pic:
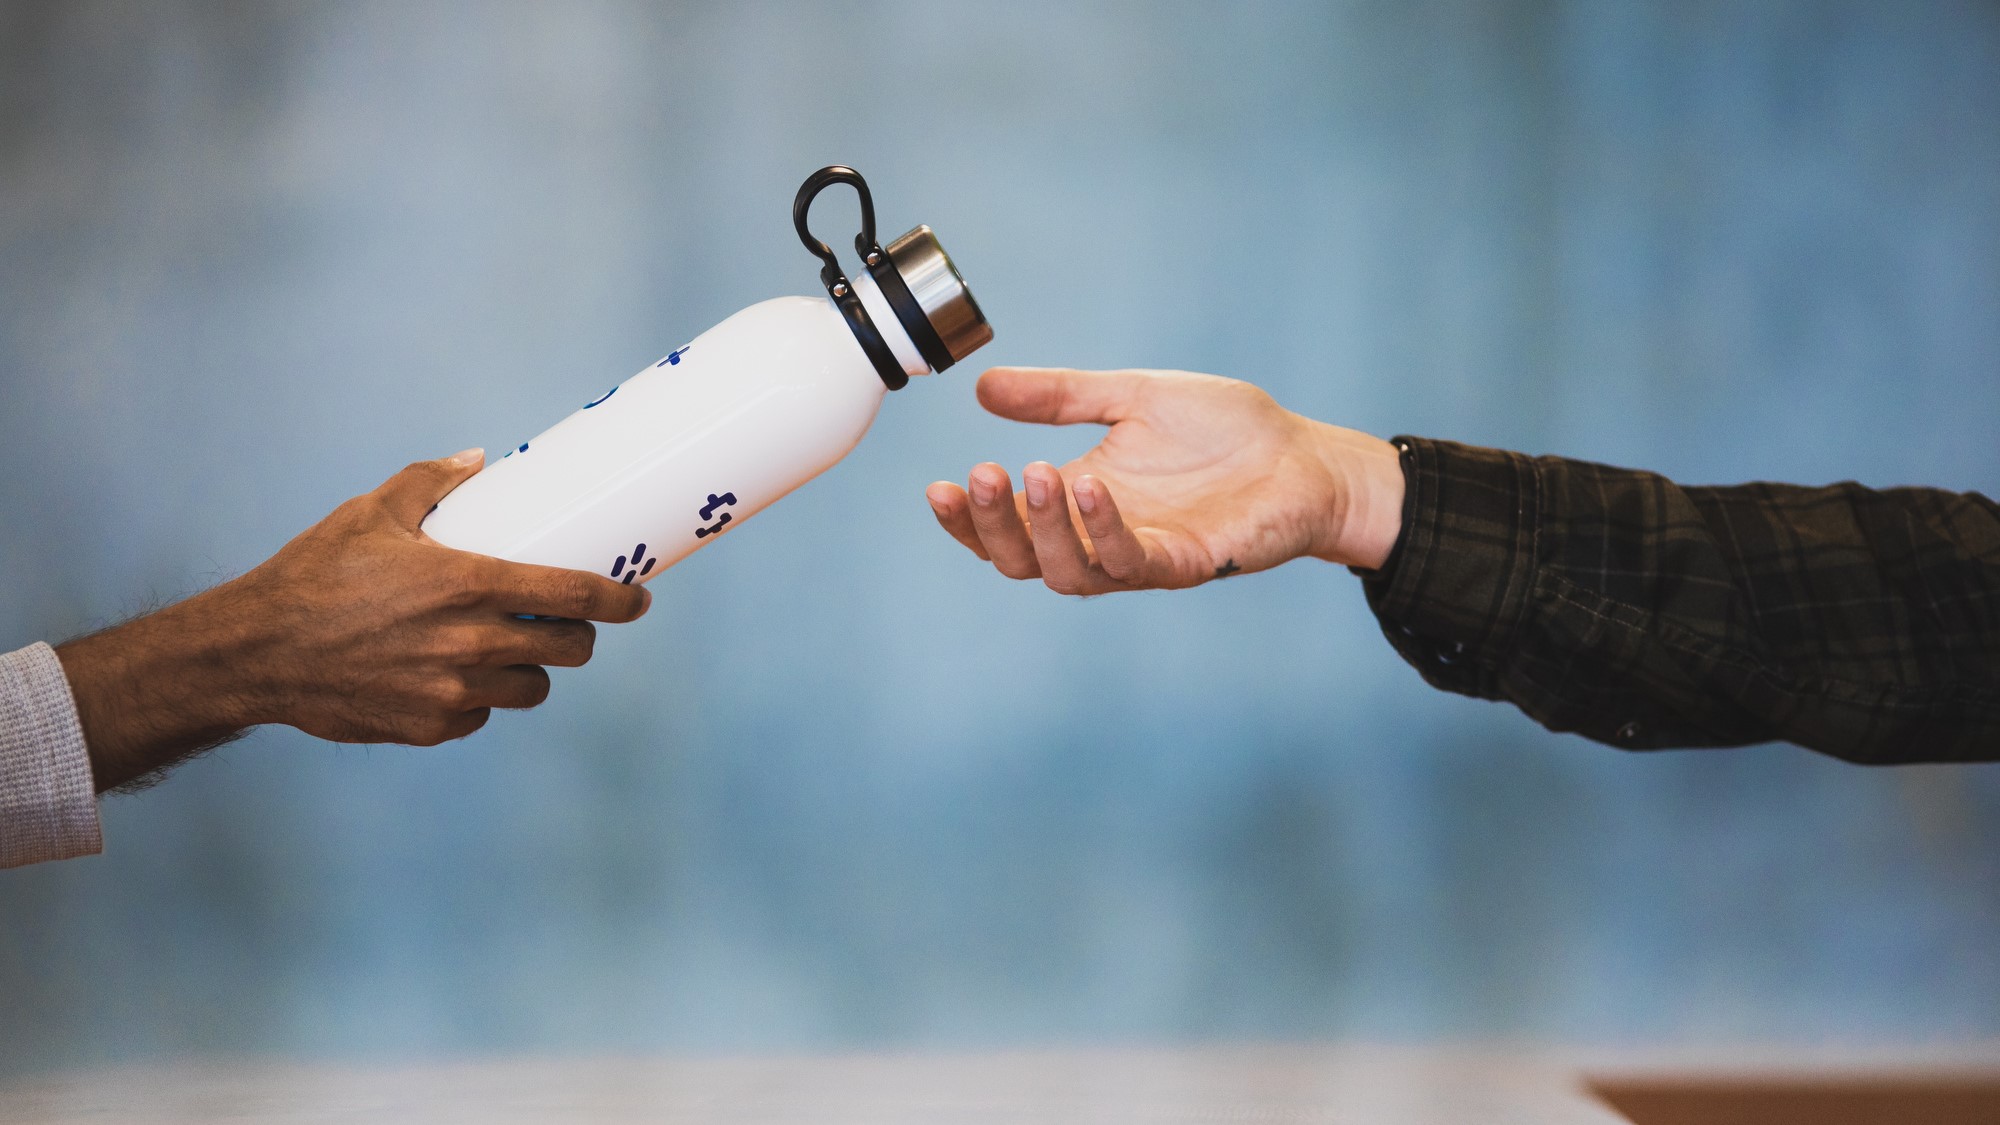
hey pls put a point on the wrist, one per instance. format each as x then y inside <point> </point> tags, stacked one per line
<point>157,688</point>
<point>1363,518</point>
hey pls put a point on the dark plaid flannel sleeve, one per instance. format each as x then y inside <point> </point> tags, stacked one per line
<point>1644,614</point>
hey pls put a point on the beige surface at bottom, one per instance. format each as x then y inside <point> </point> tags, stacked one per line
<point>1252,1085</point>
<point>1260,1085</point>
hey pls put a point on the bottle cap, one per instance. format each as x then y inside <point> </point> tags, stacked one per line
<point>914,275</point>
<point>935,284</point>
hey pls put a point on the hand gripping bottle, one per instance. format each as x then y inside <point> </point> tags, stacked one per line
<point>670,459</point>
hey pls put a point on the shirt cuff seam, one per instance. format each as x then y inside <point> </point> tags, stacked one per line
<point>55,805</point>
<point>1412,554</point>
<point>1517,561</point>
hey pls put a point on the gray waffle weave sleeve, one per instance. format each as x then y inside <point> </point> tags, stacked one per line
<point>48,804</point>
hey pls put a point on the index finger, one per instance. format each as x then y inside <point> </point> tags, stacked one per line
<point>552,591</point>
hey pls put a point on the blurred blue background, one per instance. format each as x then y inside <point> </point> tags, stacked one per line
<point>847,788</point>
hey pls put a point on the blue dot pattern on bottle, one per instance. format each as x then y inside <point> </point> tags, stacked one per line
<point>673,359</point>
<point>726,500</point>
<point>634,569</point>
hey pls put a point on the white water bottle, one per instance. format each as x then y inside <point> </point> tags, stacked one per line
<point>665,462</point>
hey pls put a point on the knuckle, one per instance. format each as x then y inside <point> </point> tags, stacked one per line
<point>482,647</point>
<point>448,694</point>
<point>357,508</point>
<point>357,515</point>
<point>462,648</point>
<point>428,474</point>
<point>574,591</point>
<point>1064,585</point>
<point>461,587</point>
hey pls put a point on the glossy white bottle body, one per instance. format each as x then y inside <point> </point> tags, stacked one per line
<point>684,451</point>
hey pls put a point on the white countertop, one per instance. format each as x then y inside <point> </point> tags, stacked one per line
<point>1282,1085</point>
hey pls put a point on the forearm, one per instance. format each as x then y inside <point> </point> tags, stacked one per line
<point>1617,604</point>
<point>161,688</point>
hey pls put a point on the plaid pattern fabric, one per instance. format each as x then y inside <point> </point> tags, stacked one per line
<point>1637,612</point>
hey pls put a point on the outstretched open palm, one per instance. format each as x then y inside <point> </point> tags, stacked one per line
<point>1198,478</point>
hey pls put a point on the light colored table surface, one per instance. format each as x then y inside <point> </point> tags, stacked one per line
<point>1264,1085</point>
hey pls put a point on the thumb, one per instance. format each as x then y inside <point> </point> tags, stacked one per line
<point>411,494</point>
<point>1059,396</point>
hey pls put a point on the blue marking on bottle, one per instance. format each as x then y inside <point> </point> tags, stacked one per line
<point>634,570</point>
<point>726,500</point>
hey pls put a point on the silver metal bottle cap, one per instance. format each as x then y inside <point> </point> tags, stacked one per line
<point>913,275</point>
<point>940,292</point>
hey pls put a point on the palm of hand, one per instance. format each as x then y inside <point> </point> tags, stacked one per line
<point>1198,478</point>
<point>1215,492</point>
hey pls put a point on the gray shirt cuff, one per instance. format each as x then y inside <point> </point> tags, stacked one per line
<point>48,803</point>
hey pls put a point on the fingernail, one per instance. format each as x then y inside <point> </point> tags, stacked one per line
<point>983,491</point>
<point>1086,494</point>
<point>645,599</point>
<point>1038,489</point>
<point>466,457</point>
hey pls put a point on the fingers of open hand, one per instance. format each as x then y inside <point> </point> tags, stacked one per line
<point>987,518</point>
<point>1064,564</point>
<point>997,522</point>
<point>953,509</point>
<point>1120,552</point>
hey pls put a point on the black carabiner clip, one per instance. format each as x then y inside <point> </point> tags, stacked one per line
<point>802,207</point>
<point>835,280</point>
